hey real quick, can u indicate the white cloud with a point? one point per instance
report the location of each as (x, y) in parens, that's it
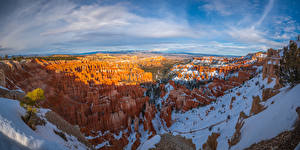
(282, 36)
(285, 28)
(24, 28)
(68, 26)
(253, 36)
(218, 6)
(44, 24)
(117, 19)
(229, 7)
(266, 12)
(212, 47)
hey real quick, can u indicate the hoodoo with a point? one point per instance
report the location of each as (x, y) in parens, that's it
(144, 75)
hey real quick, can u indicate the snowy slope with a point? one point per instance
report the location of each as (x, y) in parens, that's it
(279, 117)
(199, 123)
(15, 134)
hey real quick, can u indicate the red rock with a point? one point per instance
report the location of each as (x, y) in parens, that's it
(92, 106)
(165, 114)
(136, 124)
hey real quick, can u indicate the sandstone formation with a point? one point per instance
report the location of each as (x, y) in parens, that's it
(211, 143)
(2, 78)
(184, 99)
(256, 106)
(270, 65)
(268, 93)
(106, 95)
(93, 107)
(208, 68)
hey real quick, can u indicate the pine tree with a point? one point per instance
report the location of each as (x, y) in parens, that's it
(289, 69)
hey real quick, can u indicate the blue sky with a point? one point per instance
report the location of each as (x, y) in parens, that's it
(230, 27)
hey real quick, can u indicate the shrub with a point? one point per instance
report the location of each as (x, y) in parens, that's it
(32, 98)
(30, 103)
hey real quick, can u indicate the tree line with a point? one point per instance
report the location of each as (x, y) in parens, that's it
(47, 58)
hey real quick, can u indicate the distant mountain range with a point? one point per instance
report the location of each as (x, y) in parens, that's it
(131, 52)
(152, 52)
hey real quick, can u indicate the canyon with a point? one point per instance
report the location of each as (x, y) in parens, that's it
(113, 100)
(150, 75)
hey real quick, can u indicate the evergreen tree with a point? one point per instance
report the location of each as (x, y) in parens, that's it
(289, 69)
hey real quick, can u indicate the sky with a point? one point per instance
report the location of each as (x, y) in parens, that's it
(225, 27)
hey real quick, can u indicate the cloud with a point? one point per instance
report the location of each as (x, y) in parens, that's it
(218, 6)
(212, 47)
(253, 36)
(285, 28)
(273, 35)
(25, 26)
(229, 7)
(117, 19)
(266, 12)
(45, 23)
(4, 49)
(236, 27)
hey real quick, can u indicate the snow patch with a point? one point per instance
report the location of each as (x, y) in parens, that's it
(150, 143)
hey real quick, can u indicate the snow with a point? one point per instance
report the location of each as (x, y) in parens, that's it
(279, 117)
(281, 53)
(158, 124)
(131, 140)
(195, 124)
(189, 73)
(102, 145)
(297, 147)
(269, 62)
(149, 143)
(3, 88)
(298, 43)
(144, 135)
(13, 127)
(10, 144)
(143, 138)
(47, 132)
(15, 134)
(272, 62)
(17, 90)
(118, 136)
(168, 89)
(258, 68)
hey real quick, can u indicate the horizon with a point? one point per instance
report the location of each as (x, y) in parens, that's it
(202, 27)
(126, 52)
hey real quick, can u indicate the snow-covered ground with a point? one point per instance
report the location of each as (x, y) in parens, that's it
(279, 116)
(143, 139)
(150, 143)
(195, 123)
(15, 134)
